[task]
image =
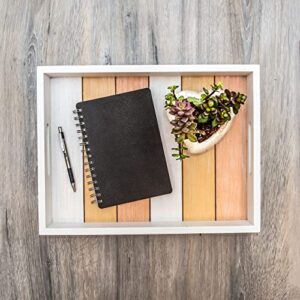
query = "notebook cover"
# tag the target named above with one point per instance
(125, 147)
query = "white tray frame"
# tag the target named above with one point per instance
(44, 73)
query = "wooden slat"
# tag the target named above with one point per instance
(65, 93)
(94, 88)
(199, 170)
(231, 161)
(138, 210)
(166, 207)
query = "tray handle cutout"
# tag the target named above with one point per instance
(48, 152)
(249, 149)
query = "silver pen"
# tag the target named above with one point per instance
(64, 149)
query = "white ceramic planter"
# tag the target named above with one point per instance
(197, 148)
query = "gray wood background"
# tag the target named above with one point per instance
(246, 266)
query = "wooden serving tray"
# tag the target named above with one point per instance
(214, 192)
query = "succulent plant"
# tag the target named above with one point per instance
(215, 107)
(196, 119)
(171, 97)
(184, 124)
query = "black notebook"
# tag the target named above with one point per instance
(124, 148)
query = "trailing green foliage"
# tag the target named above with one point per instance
(170, 97)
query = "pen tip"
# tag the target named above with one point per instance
(74, 187)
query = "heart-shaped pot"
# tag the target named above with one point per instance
(196, 147)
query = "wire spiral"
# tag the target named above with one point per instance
(88, 163)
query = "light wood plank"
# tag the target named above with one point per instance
(138, 210)
(231, 161)
(166, 207)
(65, 93)
(95, 88)
(199, 170)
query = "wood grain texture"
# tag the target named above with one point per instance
(243, 266)
(138, 210)
(93, 87)
(231, 161)
(160, 206)
(65, 93)
(198, 170)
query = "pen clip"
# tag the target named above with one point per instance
(61, 140)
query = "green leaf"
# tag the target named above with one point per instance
(172, 88)
(214, 123)
(192, 137)
(205, 91)
(175, 155)
(193, 126)
(220, 85)
(194, 100)
(180, 98)
(224, 114)
(211, 103)
(180, 138)
(202, 119)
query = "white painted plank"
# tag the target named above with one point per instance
(67, 205)
(166, 207)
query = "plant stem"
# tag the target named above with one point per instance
(174, 95)
(209, 95)
(180, 146)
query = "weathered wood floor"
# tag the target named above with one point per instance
(258, 266)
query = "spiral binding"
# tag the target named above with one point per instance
(88, 163)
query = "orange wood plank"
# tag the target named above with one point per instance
(95, 88)
(199, 170)
(231, 161)
(138, 210)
